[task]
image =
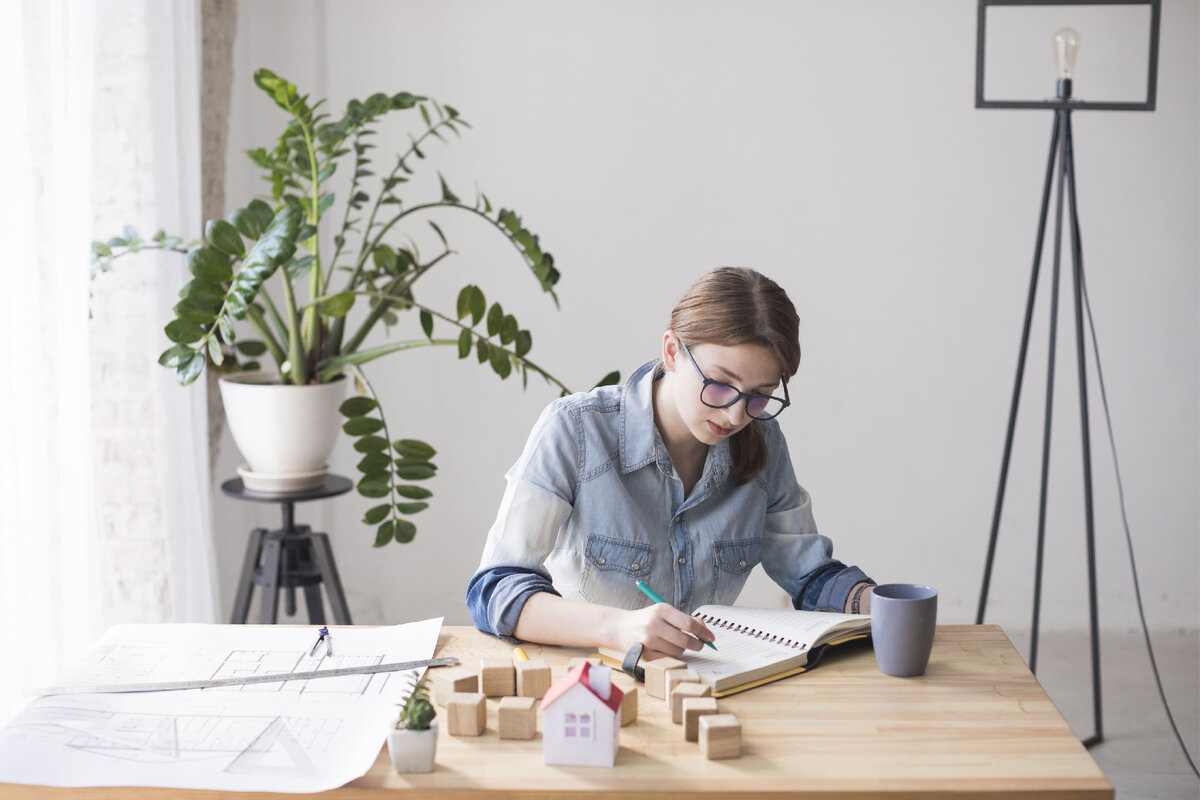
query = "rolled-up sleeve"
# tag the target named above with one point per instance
(537, 502)
(794, 555)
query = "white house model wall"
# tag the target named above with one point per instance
(581, 718)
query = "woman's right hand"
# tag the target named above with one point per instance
(661, 627)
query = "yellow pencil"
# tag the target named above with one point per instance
(520, 654)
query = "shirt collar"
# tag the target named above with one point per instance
(639, 437)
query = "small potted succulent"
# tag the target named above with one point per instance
(412, 741)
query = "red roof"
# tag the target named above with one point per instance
(580, 675)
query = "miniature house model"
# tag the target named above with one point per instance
(581, 718)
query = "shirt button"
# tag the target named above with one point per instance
(708, 485)
(600, 560)
(681, 606)
(682, 560)
(636, 565)
(741, 564)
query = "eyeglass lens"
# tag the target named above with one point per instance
(722, 395)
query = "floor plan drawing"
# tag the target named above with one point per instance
(298, 735)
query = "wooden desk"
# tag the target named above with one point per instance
(977, 724)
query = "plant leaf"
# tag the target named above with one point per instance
(207, 264)
(464, 301)
(405, 531)
(375, 462)
(357, 406)
(371, 444)
(377, 514)
(478, 305)
(447, 195)
(413, 492)
(500, 363)
(384, 536)
(189, 370)
(360, 426)
(251, 347)
(224, 237)
(414, 449)
(374, 487)
(427, 324)
(610, 379)
(338, 305)
(508, 329)
(411, 508)
(182, 331)
(417, 471)
(495, 316)
(464, 343)
(524, 342)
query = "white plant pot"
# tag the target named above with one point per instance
(413, 751)
(282, 430)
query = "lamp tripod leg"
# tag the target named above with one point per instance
(1049, 417)
(1089, 514)
(1016, 395)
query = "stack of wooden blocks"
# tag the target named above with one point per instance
(693, 706)
(519, 685)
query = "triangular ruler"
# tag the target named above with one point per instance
(276, 750)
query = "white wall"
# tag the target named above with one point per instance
(835, 147)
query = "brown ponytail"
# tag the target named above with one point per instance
(732, 306)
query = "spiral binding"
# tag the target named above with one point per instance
(754, 633)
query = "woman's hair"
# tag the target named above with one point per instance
(732, 306)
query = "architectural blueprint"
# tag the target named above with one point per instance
(291, 736)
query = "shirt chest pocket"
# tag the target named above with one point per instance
(737, 557)
(733, 561)
(610, 568)
(607, 555)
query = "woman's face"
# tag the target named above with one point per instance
(750, 368)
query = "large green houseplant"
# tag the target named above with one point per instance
(264, 283)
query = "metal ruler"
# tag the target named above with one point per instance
(168, 686)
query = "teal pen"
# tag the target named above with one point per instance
(646, 590)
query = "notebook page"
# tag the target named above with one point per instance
(802, 629)
(736, 653)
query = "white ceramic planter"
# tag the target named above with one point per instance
(413, 751)
(282, 430)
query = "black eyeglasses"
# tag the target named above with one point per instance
(716, 394)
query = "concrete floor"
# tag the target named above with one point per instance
(1140, 754)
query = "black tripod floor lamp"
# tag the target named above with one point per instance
(1060, 175)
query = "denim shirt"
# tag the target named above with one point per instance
(594, 504)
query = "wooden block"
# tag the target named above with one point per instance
(720, 736)
(693, 709)
(675, 676)
(455, 679)
(466, 714)
(629, 706)
(517, 717)
(497, 677)
(575, 662)
(533, 678)
(655, 672)
(680, 692)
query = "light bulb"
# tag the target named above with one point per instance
(1066, 46)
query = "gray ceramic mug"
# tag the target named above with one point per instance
(903, 616)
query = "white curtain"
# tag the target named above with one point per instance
(104, 481)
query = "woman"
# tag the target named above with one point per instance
(679, 478)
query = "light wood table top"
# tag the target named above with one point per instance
(976, 724)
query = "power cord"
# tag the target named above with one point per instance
(1125, 521)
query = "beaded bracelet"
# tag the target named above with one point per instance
(857, 595)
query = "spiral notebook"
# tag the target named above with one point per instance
(760, 645)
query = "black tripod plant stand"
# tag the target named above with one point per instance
(1060, 170)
